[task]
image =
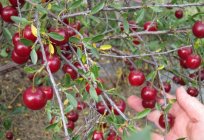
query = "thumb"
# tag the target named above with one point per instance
(189, 104)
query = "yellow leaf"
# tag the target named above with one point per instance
(94, 45)
(34, 30)
(49, 6)
(158, 50)
(119, 72)
(105, 47)
(51, 48)
(66, 102)
(160, 67)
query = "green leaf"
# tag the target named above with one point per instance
(29, 70)
(19, 110)
(168, 108)
(140, 16)
(143, 113)
(83, 58)
(34, 56)
(95, 69)
(126, 25)
(76, 4)
(66, 80)
(145, 134)
(95, 52)
(56, 36)
(68, 109)
(93, 93)
(74, 40)
(116, 5)
(26, 42)
(7, 34)
(3, 53)
(151, 75)
(1, 134)
(41, 9)
(97, 38)
(72, 100)
(79, 53)
(156, 9)
(52, 126)
(97, 8)
(17, 19)
(7, 124)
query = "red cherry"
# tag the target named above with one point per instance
(22, 50)
(34, 98)
(184, 52)
(136, 41)
(1, 7)
(148, 104)
(120, 103)
(77, 25)
(179, 14)
(183, 63)
(69, 70)
(98, 90)
(15, 38)
(14, 3)
(112, 133)
(68, 55)
(150, 26)
(131, 68)
(192, 75)
(30, 77)
(9, 135)
(48, 91)
(192, 91)
(114, 138)
(97, 135)
(8, 50)
(70, 125)
(61, 32)
(72, 116)
(167, 86)
(7, 12)
(101, 108)
(136, 78)
(81, 105)
(170, 121)
(193, 61)
(53, 62)
(77, 65)
(198, 29)
(148, 93)
(179, 80)
(27, 34)
(18, 59)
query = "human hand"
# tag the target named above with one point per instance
(188, 113)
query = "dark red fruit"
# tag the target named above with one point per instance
(148, 104)
(68, 55)
(101, 108)
(167, 86)
(31, 76)
(178, 80)
(8, 50)
(98, 90)
(22, 50)
(48, 91)
(14, 3)
(46, 49)
(131, 68)
(81, 105)
(136, 41)
(18, 59)
(1, 7)
(136, 78)
(7, 12)
(184, 52)
(179, 14)
(61, 32)
(27, 34)
(15, 38)
(192, 91)
(53, 62)
(183, 63)
(120, 103)
(9, 135)
(170, 121)
(70, 125)
(114, 138)
(34, 98)
(69, 70)
(132, 26)
(193, 61)
(77, 25)
(148, 93)
(72, 116)
(150, 26)
(112, 133)
(198, 29)
(97, 135)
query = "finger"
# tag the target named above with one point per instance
(190, 105)
(156, 136)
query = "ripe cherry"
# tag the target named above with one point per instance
(98, 90)
(101, 108)
(7, 12)
(114, 138)
(22, 50)
(14, 3)
(61, 32)
(69, 70)
(179, 14)
(198, 29)
(34, 98)
(9, 135)
(70, 125)
(15, 38)
(183, 63)
(136, 78)
(193, 61)
(167, 86)
(150, 26)
(18, 59)
(184, 52)
(53, 62)
(120, 103)
(112, 133)
(192, 91)
(148, 93)
(97, 135)
(1, 7)
(81, 105)
(179, 80)
(136, 41)
(77, 25)
(148, 104)
(72, 116)
(48, 90)
(170, 121)
(27, 34)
